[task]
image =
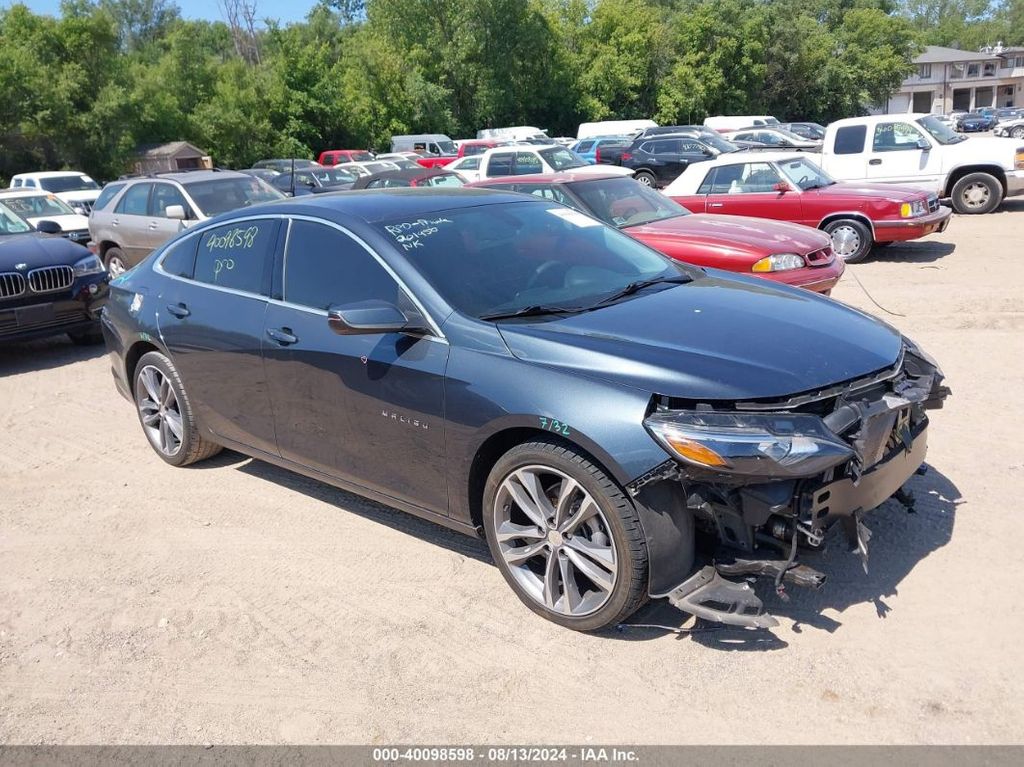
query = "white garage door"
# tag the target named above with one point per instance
(899, 104)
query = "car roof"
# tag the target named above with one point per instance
(373, 205)
(191, 175)
(564, 177)
(405, 174)
(6, 193)
(731, 158)
(874, 119)
(50, 174)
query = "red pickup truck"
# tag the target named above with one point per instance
(330, 157)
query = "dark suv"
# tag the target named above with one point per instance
(658, 160)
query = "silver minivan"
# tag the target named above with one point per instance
(133, 217)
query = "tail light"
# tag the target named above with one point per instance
(626, 157)
(597, 155)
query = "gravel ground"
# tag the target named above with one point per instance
(234, 602)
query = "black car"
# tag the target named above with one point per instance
(507, 366)
(409, 177)
(264, 174)
(48, 284)
(975, 122)
(312, 180)
(660, 159)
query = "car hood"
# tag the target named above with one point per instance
(81, 195)
(35, 250)
(865, 189)
(757, 236)
(720, 337)
(67, 223)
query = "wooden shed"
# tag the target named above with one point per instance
(170, 157)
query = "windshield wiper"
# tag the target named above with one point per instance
(639, 285)
(535, 310)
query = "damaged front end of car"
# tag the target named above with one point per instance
(774, 476)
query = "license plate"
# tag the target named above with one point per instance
(27, 316)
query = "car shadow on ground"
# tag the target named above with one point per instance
(43, 354)
(899, 541)
(914, 252)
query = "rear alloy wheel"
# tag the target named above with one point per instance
(1017, 132)
(565, 537)
(851, 239)
(977, 193)
(645, 177)
(115, 261)
(166, 414)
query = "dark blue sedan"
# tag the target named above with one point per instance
(506, 366)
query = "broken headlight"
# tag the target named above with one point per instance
(764, 445)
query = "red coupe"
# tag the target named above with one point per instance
(789, 186)
(796, 255)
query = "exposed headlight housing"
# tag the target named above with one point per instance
(779, 263)
(773, 446)
(89, 265)
(915, 208)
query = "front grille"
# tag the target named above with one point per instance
(84, 204)
(9, 321)
(933, 203)
(79, 235)
(11, 284)
(50, 279)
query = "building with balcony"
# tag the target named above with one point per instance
(952, 80)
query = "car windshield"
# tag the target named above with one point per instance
(623, 202)
(329, 176)
(718, 143)
(379, 167)
(561, 158)
(37, 205)
(220, 195)
(361, 156)
(447, 179)
(788, 134)
(505, 258)
(73, 182)
(447, 147)
(11, 222)
(939, 130)
(805, 174)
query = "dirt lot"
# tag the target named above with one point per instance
(234, 602)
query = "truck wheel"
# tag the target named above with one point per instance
(115, 261)
(567, 540)
(976, 193)
(851, 239)
(645, 177)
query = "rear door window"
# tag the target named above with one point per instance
(850, 140)
(527, 163)
(500, 164)
(135, 201)
(238, 255)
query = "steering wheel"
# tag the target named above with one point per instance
(544, 274)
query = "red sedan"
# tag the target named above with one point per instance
(789, 186)
(796, 255)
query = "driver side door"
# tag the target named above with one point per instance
(367, 409)
(748, 190)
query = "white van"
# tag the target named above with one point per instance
(613, 128)
(725, 123)
(515, 133)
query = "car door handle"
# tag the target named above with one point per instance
(876, 161)
(179, 310)
(153, 225)
(283, 336)
(716, 204)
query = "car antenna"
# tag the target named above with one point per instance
(293, 177)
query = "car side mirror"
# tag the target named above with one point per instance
(366, 318)
(176, 212)
(922, 143)
(48, 227)
(782, 187)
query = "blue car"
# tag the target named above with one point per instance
(506, 366)
(588, 148)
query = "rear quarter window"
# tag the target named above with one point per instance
(180, 258)
(850, 140)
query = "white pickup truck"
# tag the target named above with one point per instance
(918, 150)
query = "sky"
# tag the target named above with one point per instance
(282, 10)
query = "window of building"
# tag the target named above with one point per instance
(924, 71)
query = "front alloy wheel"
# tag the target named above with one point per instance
(565, 537)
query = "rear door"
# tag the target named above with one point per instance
(747, 189)
(211, 319)
(130, 223)
(368, 409)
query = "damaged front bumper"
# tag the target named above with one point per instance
(759, 506)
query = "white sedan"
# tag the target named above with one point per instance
(776, 138)
(529, 159)
(467, 167)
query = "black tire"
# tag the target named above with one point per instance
(115, 261)
(851, 239)
(646, 178)
(193, 446)
(87, 337)
(1018, 132)
(629, 591)
(976, 193)
(880, 245)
